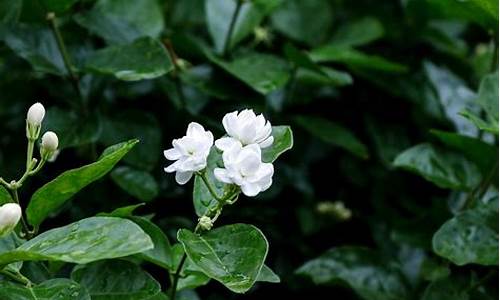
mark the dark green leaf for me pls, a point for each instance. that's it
(483, 12)
(446, 289)
(232, 254)
(140, 184)
(144, 58)
(10, 10)
(443, 168)
(52, 289)
(283, 141)
(4, 196)
(191, 276)
(333, 134)
(116, 280)
(82, 242)
(122, 212)
(372, 276)
(54, 194)
(122, 21)
(358, 33)
(57, 6)
(331, 77)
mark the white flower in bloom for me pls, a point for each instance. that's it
(243, 167)
(10, 214)
(247, 128)
(190, 152)
(36, 113)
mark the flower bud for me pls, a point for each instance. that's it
(35, 115)
(10, 214)
(50, 142)
(205, 223)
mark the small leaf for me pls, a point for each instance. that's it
(368, 273)
(470, 237)
(232, 254)
(54, 194)
(82, 242)
(333, 134)
(4, 196)
(116, 280)
(283, 141)
(51, 289)
(122, 212)
(443, 168)
(140, 184)
(145, 58)
(262, 72)
(358, 33)
(267, 275)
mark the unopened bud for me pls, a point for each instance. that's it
(10, 214)
(35, 115)
(50, 142)
(205, 223)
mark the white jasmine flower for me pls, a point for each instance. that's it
(190, 152)
(243, 167)
(10, 214)
(35, 115)
(246, 128)
(50, 141)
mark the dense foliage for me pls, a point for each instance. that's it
(389, 192)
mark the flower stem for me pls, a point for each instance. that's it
(227, 41)
(26, 230)
(29, 154)
(17, 277)
(209, 186)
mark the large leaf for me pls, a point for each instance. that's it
(262, 72)
(470, 237)
(369, 274)
(443, 168)
(283, 141)
(161, 254)
(483, 12)
(232, 254)
(191, 276)
(116, 280)
(144, 58)
(219, 14)
(54, 194)
(333, 134)
(52, 289)
(82, 242)
(123, 21)
(140, 184)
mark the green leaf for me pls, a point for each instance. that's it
(443, 168)
(329, 76)
(140, 184)
(191, 276)
(470, 237)
(161, 254)
(267, 275)
(358, 33)
(232, 254)
(52, 289)
(333, 134)
(305, 21)
(446, 289)
(10, 11)
(35, 44)
(116, 280)
(82, 242)
(355, 59)
(9, 243)
(219, 14)
(54, 194)
(262, 72)
(122, 212)
(369, 274)
(72, 129)
(202, 198)
(144, 58)
(5, 196)
(122, 21)
(283, 141)
(483, 12)
(57, 6)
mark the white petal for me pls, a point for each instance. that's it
(225, 143)
(267, 142)
(246, 116)
(230, 122)
(247, 133)
(179, 146)
(172, 154)
(253, 148)
(222, 175)
(250, 164)
(230, 155)
(172, 168)
(250, 189)
(195, 130)
(183, 177)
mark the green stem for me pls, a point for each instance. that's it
(38, 168)
(17, 277)
(26, 230)
(227, 41)
(29, 154)
(209, 186)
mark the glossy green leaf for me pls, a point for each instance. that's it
(52, 289)
(57, 6)
(356, 59)
(54, 194)
(443, 168)
(116, 280)
(304, 21)
(370, 275)
(140, 184)
(262, 72)
(358, 33)
(219, 14)
(36, 44)
(9, 243)
(4, 196)
(283, 141)
(82, 242)
(470, 237)
(144, 58)
(122, 21)
(232, 254)
(161, 254)
(191, 276)
(135, 124)
(333, 134)
(267, 275)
